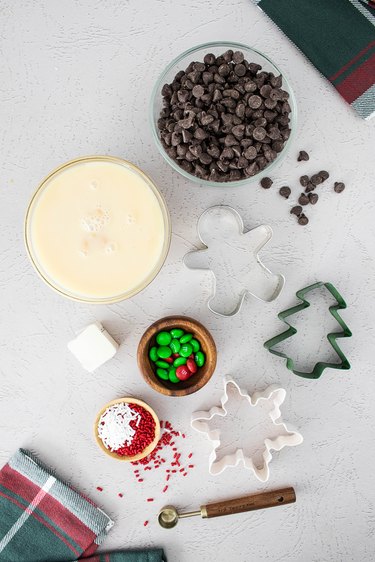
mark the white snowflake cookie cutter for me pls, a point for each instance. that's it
(232, 256)
(200, 421)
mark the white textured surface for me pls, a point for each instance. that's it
(75, 79)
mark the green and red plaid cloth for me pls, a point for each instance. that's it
(44, 520)
(338, 36)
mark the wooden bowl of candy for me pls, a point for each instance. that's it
(127, 429)
(177, 356)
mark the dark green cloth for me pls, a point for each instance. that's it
(338, 36)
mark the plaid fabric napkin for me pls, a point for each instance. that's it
(338, 36)
(44, 520)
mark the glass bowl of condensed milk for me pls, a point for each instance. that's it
(97, 229)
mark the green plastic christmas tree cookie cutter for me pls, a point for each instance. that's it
(332, 337)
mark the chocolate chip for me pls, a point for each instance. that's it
(316, 179)
(198, 91)
(266, 182)
(254, 102)
(310, 187)
(240, 70)
(324, 175)
(250, 153)
(259, 133)
(303, 156)
(296, 210)
(303, 199)
(339, 187)
(303, 220)
(313, 198)
(285, 191)
(209, 59)
(304, 180)
(238, 57)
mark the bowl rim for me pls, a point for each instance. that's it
(28, 219)
(157, 91)
(148, 449)
(165, 323)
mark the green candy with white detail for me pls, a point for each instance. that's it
(177, 333)
(175, 345)
(200, 359)
(186, 350)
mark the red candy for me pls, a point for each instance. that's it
(175, 355)
(168, 359)
(183, 373)
(191, 365)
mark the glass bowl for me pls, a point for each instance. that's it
(38, 263)
(197, 54)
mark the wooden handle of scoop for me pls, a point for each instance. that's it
(250, 503)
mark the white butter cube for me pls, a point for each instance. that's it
(93, 347)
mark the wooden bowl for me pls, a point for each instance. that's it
(196, 381)
(149, 448)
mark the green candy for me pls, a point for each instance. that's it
(195, 345)
(172, 376)
(186, 338)
(162, 364)
(162, 373)
(175, 346)
(164, 352)
(177, 333)
(153, 355)
(163, 338)
(179, 361)
(186, 350)
(200, 359)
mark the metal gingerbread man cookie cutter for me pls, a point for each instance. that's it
(273, 397)
(232, 255)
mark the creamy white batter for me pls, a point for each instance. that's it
(97, 230)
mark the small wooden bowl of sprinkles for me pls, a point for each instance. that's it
(177, 356)
(127, 429)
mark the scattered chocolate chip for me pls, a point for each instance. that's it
(266, 183)
(313, 198)
(304, 180)
(316, 179)
(309, 187)
(324, 175)
(285, 191)
(296, 210)
(303, 199)
(339, 187)
(303, 220)
(303, 156)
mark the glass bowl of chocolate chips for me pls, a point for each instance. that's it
(222, 113)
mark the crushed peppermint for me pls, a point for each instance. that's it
(126, 429)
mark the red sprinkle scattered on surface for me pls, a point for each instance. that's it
(99, 488)
(145, 523)
(120, 495)
(150, 499)
(165, 457)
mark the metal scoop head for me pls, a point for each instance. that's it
(168, 516)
